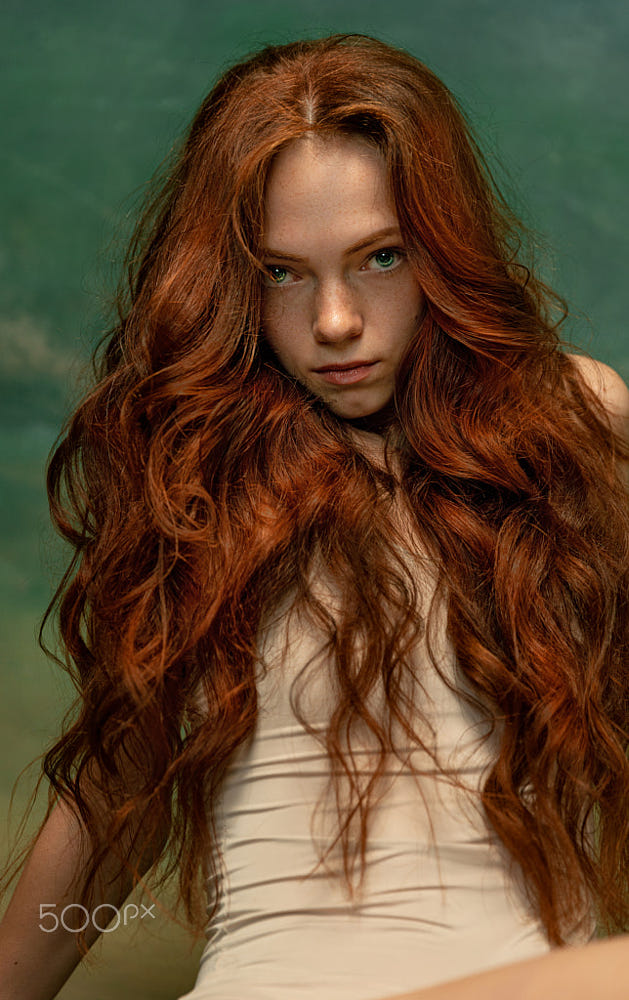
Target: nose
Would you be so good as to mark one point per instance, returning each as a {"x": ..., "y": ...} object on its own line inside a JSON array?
[{"x": 337, "y": 314}]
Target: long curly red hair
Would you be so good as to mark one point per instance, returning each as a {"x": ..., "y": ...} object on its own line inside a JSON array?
[{"x": 198, "y": 486}]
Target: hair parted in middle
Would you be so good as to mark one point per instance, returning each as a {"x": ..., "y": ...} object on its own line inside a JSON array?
[{"x": 200, "y": 485}]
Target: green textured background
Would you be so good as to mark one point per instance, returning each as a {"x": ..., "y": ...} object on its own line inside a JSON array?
[{"x": 94, "y": 95}]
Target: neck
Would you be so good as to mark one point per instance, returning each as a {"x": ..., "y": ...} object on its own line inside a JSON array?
[
  {"x": 370, "y": 434},
  {"x": 375, "y": 423}
]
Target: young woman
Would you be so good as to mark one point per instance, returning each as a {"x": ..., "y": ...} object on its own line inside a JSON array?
[{"x": 348, "y": 610}]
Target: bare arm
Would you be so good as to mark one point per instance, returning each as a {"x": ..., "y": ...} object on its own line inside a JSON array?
[
  {"x": 600, "y": 970},
  {"x": 34, "y": 964},
  {"x": 35, "y": 959},
  {"x": 597, "y": 971},
  {"x": 612, "y": 391}
]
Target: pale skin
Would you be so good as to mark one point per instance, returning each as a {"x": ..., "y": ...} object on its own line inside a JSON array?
[
  {"x": 340, "y": 290},
  {"x": 327, "y": 302},
  {"x": 597, "y": 971},
  {"x": 346, "y": 295}
]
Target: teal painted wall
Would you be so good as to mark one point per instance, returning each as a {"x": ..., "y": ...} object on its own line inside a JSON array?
[{"x": 92, "y": 98}]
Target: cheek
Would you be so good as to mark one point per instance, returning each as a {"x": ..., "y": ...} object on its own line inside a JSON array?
[
  {"x": 401, "y": 309},
  {"x": 278, "y": 330},
  {"x": 412, "y": 292},
  {"x": 416, "y": 303},
  {"x": 272, "y": 321}
]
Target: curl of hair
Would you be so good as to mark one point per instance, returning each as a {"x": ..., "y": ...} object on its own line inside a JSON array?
[{"x": 197, "y": 484}]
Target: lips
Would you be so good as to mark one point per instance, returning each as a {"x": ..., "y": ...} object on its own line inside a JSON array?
[{"x": 346, "y": 374}]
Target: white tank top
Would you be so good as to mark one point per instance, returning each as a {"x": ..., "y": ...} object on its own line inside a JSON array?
[{"x": 438, "y": 901}]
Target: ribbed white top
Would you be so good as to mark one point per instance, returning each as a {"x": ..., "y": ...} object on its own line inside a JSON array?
[{"x": 438, "y": 900}]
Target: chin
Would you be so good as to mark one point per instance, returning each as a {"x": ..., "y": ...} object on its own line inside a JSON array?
[
  {"x": 346, "y": 411},
  {"x": 351, "y": 412},
  {"x": 355, "y": 404}
]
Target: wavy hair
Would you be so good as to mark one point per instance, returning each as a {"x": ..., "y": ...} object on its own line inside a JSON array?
[{"x": 199, "y": 486}]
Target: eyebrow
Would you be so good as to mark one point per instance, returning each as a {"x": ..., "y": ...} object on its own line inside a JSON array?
[{"x": 354, "y": 248}]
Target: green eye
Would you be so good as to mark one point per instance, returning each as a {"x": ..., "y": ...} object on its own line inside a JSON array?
[
  {"x": 385, "y": 258},
  {"x": 277, "y": 275}
]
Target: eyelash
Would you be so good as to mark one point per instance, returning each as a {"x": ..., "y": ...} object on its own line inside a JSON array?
[{"x": 394, "y": 250}]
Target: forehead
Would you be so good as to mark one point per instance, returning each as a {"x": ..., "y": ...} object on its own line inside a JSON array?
[{"x": 335, "y": 184}]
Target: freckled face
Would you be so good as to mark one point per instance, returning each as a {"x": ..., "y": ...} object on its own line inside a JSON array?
[{"x": 340, "y": 302}]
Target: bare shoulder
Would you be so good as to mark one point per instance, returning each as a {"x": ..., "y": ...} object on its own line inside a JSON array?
[{"x": 609, "y": 386}]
